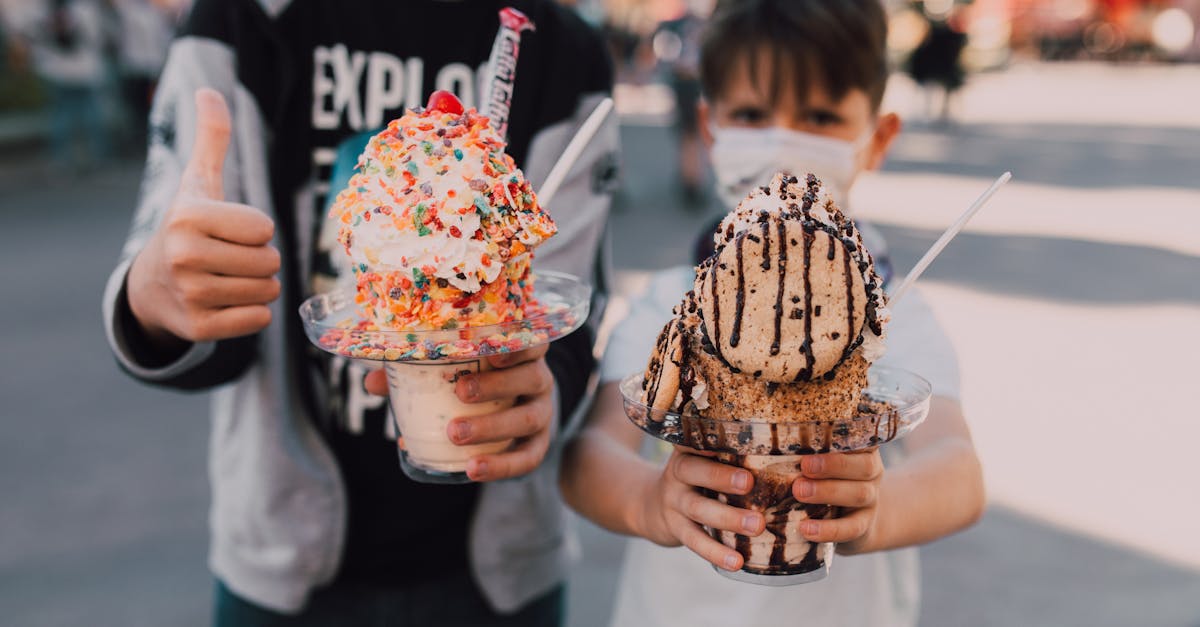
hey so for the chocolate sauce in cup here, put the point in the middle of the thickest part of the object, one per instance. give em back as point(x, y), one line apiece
point(780, 552)
point(894, 403)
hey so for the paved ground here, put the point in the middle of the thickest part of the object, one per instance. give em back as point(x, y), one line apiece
point(1073, 301)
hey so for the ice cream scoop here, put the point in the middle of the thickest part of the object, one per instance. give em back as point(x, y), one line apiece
point(439, 223)
point(784, 319)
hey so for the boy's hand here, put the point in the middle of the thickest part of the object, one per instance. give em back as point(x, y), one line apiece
point(208, 271)
point(522, 375)
point(674, 510)
point(850, 481)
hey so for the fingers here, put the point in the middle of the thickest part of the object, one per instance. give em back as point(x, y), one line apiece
point(519, 421)
point(713, 513)
point(376, 383)
point(226, 323)
point(836, 492)
point(847, 528)
point(233, 222)
point(202, 177)
point(706, 473)
point(215, 292)
point(530, 378)
point(205, 254)
point(519, 460)
point(506, 360)
point(858, 466)
point(698, 540)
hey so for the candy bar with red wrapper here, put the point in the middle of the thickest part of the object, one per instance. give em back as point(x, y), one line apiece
point(502, 67)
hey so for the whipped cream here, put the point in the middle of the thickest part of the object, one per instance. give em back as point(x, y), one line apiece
point(435, 192)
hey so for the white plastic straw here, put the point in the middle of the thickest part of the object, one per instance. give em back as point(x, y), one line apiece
point(942, 241)
point(572, 152)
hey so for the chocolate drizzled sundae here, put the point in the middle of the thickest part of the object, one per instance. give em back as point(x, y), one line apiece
point(779, 330)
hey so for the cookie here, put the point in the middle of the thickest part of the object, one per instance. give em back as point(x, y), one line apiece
point(783, 301)
point(662, 379)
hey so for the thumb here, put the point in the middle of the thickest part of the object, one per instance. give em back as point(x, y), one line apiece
point(202, 177)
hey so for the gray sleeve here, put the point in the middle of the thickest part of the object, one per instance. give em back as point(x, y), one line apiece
point(633, 337)
point(580, 207)
point(917, 342)
point(580, 210)
point(192, 62)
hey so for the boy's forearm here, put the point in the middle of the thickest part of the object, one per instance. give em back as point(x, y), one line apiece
point(934, 493)
point(606, 482)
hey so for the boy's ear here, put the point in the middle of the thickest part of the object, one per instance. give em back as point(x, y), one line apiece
point(886, 130)
point(702, 113)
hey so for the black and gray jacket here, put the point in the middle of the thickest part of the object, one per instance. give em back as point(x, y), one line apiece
point(278, 514)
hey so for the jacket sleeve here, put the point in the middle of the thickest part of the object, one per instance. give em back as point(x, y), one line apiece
point(580, 208)
point(194, 61)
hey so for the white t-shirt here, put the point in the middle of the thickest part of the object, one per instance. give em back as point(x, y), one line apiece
point(662, 587)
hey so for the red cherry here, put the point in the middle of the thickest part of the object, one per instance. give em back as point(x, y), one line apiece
point(442, 100)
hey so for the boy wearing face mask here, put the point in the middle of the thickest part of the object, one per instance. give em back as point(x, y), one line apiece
point(791, 85)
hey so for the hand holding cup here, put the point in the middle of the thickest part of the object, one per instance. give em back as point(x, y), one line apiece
point(849, 481)
point(675, 511)
point(522, 376)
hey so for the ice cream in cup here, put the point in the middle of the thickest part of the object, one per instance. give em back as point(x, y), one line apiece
point(780, 552)
point(423, 404)
point(439, 226)
point(770, 357)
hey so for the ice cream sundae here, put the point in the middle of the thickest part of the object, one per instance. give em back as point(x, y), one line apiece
point(772, 348)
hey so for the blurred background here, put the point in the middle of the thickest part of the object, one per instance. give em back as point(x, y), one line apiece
point(1073, 300)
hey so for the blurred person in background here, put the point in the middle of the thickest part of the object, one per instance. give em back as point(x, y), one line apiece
point(68, 46)
point(676, 45)
point(793, 86)
point(936, 63)
point(145, 35)
point(7, 49)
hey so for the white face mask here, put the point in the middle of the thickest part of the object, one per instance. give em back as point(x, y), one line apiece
point(745, 158)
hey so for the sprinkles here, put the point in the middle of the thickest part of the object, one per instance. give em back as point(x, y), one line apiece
point(360, 339)
point(453, 248)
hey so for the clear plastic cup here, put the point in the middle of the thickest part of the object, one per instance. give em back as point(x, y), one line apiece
point(779, 556)
point(894, 403)
point(423, 404)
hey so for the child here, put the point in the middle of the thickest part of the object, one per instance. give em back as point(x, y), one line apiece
point(313, 523)
point(791, 85)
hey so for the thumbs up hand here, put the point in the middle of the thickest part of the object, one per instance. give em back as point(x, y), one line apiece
point(208, 272)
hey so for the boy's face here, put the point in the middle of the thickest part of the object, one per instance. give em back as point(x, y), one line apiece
point(747, 103)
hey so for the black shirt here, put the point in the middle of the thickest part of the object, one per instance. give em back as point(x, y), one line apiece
point(357, 65)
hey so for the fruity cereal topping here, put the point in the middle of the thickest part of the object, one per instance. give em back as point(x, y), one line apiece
point(440, 224)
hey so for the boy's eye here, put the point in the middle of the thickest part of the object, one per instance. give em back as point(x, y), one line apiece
point(823, 117)
point(748, 116)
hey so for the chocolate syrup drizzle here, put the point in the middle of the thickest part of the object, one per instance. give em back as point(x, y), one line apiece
point(654, 381)
point(716, 303)
point(735, 336)
point(809, 358)
point(687, 376)
point(849, 303)
point(782, 275)
point(766, 238)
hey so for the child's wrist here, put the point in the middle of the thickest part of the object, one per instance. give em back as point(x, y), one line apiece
point(642, 511)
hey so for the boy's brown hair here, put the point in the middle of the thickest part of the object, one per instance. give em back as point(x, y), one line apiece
point(840, 44)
